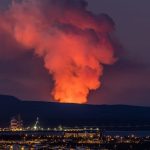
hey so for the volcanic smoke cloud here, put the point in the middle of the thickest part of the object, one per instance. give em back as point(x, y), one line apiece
point(73, 42)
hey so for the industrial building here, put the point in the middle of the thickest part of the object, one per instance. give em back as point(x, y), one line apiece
point(16, 123)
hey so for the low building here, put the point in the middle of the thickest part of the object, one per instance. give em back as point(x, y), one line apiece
point(82, 133)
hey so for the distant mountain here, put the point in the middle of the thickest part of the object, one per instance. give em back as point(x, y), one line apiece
point(54, 114)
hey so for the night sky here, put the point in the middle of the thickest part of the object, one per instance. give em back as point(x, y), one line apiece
point(125, 82)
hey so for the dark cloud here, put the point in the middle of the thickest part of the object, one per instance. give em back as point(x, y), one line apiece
point(4, 4)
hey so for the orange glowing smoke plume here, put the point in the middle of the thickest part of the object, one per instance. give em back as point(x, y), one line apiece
point(73, 42)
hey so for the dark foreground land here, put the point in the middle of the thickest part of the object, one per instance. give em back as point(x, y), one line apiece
point(105, 117)
point(109, 117)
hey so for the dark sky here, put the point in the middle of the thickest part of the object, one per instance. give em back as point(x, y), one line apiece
point(126, 82)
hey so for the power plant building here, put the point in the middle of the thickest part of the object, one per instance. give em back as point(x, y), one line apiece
point(16, 123)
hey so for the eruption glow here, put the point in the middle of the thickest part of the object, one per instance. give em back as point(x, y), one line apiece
point(73, 42)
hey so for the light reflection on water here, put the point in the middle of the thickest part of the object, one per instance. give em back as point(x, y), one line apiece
point(127, 133)
point(35, 147)
point(18, 147)
point(39, 147)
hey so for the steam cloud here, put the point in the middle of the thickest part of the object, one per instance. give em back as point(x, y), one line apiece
point(73, 42)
